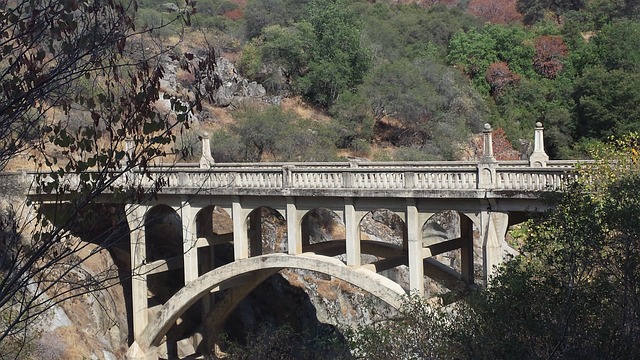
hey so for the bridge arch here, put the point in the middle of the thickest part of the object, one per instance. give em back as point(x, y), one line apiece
point(377, 285)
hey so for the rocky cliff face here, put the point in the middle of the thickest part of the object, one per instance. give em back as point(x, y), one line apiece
point(92, 324)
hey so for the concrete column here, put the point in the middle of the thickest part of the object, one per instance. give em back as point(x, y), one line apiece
point(206, 160)
point(240, 241)
point(414, 242)
point(493, 231)
point(139, 301)
point(189, 239)
point(487, 176)
point(352, 229)
point(539, 157)
point(293, 228)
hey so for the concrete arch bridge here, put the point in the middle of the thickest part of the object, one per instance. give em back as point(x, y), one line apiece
point(175, 237)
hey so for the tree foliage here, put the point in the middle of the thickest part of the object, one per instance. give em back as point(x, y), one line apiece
point(534, 10)
point(550, 50)
point(319, 57)
point(496, 12)
point(270, 133)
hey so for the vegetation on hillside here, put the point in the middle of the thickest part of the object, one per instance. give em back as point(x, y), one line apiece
point(417, 79)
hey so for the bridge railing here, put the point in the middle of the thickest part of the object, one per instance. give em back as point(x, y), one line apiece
point(538, 173)
point(517, 176)
point(513, 176)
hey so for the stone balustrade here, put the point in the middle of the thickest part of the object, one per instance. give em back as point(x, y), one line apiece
point(365, 176)
point(357, 178)
point(283, 178)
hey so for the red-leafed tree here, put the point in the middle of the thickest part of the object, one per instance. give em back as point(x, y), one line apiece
point(550, 50)
point(495, 11)
point(499, 76)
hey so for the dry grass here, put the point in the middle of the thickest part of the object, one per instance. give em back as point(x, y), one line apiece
point(303, 110)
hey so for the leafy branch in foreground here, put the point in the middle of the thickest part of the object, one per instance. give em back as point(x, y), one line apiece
point(79, 58)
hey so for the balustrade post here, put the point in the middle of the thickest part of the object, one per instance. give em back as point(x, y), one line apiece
point(539, 157)
point(129, 146)
point(487, 164)
point(348, 180)
point(287, 177)
point(183, 179)
point(206, 161)
point(409, 180)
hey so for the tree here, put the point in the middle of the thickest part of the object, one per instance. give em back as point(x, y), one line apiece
point(436, 107)
point(605, 103)
point(260, 14)
point(550, 51)
point(496, 12)
point(271, 133)
point(499, 77)
point(534, 10)
point(354, 121)
point(616, 46)
point(318, 57)
point(60, 59)
point(472, 52)
point(339, 60)
point(279, 56)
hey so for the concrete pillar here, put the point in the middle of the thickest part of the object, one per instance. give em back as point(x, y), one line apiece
point(189, 239)
point(139, 301)
point(487, 164)
point(352, 229)
point(414, 242)
point(493, 231)
point(240, 241)
point(539, 157)
point(293, 228)
point(206, 160)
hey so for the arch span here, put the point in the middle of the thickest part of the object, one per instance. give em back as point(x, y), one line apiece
point(377, 285)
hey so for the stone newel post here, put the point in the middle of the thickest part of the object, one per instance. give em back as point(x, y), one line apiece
point(487, 164)
point(539, 157)
point(206, 160)
point(129, 147)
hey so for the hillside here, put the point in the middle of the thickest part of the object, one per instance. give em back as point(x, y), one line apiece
point(413, 80)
